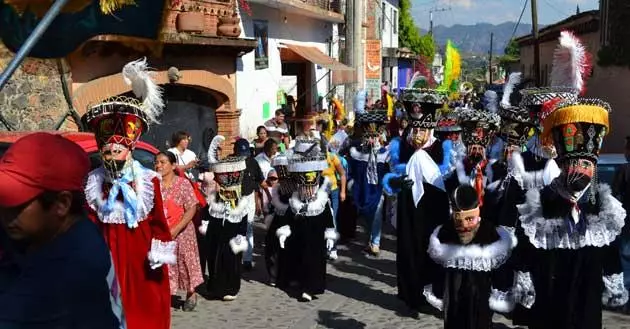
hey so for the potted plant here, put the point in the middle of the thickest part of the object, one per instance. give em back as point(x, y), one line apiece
point(191, 20)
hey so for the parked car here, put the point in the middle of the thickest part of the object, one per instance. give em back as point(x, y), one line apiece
point(606, 166)
point(144, 152)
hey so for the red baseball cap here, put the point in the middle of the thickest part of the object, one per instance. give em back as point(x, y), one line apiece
point(41, 162)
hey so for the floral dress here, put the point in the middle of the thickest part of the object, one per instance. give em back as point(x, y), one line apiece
point(186, 274)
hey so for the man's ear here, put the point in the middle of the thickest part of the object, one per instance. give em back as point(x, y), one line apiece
point(63, 203)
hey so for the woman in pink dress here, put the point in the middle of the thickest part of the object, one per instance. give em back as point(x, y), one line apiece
point(180, 206)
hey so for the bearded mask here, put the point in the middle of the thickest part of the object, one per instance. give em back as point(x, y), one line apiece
point(305, 165)
point(466, 224)
point(578, 174)
point(115, 158)
point(418, 137)
point(307, 184)
point(229, 186)
point(476, 153)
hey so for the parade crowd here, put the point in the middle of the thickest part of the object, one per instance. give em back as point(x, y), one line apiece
point(495, 203)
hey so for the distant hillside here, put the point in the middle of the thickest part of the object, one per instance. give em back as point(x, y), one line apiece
point(475, 39)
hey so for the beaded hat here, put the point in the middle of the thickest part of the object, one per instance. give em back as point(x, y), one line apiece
point(428, 101)
point(448, 121)
point(121, 120)
point(516, 123)
point(577, 129)
point(478, 127)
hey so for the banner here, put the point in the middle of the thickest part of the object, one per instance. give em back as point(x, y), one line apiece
point(261, 53)
point(373, 59)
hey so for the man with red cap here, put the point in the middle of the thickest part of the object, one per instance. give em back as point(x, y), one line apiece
point(45, 232)
point(126, 202)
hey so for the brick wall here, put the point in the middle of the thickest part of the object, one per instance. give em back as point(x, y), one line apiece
point(33, 98)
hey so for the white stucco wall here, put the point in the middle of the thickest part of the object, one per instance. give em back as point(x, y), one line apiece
point(255, 87)
point(389, 33)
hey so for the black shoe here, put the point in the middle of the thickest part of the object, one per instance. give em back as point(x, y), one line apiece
point(248, 266)
point(190, 304)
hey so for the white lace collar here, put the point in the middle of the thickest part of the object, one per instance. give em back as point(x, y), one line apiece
point(222, 210)
point(603, 228)
point(381, 157)
point(472, 257)
point(314, 207)
point(143, 186)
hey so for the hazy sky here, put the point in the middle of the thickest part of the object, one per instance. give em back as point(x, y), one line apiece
point(469, 12)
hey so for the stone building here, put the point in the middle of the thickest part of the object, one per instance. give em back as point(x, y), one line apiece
point(192, 45)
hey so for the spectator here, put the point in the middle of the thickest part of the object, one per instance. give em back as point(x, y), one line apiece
point(264, 158)
point(180, 206)
point(252, 181)
point(341, 134)
point(186, 159)
point(261, 138)
point(277, 128)
point(621, 190)
point(55, 270)
point(337, 188)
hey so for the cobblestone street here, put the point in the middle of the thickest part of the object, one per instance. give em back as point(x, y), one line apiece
point(361, 294)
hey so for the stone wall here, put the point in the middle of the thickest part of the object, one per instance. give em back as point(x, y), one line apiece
point(33, 98)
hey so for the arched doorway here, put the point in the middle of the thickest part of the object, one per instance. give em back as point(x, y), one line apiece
point(190, 109)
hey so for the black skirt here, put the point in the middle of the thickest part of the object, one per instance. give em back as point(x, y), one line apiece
point(224, 267)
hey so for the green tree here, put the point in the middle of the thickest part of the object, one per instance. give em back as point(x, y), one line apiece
point(409, 36)
point(512, 49)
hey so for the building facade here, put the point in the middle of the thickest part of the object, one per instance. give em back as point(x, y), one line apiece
point(389, 41)
point(296, 54)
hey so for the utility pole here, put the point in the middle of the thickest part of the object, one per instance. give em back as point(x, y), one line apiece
point(348, 94)
point(536, 43)
point(435, 10)
point(490, 61)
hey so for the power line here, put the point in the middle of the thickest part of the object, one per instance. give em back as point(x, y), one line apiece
point(556, 8)
point(519, 20)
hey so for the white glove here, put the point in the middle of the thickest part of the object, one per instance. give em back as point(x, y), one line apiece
point(283, 233)
point(329, 244)
point(203, 228)
point(154, 265)
point(238, 244)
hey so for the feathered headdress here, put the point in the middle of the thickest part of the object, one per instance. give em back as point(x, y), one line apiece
point(452, 68)
point(122, 119)
point(491, 101)
point(513, 80)
point(571, 63)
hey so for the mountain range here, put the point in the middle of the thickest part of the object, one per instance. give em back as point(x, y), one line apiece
point(475, 39)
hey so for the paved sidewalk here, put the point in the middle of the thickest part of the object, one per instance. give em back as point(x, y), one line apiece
point(361, 294)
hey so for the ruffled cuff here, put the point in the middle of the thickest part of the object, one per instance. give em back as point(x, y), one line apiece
point(331, 234)
point(615, 294)
point(238, 244)
point(524, 291)
point(431, 298)
point(203, 228)
point(283, 231)
point(501, 301)
point(161, 253)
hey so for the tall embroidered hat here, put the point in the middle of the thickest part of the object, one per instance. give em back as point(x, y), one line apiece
point(577, 129)
point(422, 104)
point(448, 121)
point(121, 120)
point(516, 123)
point(306, 163)
point(228, 172)
point(480, 127)
point(570, 70)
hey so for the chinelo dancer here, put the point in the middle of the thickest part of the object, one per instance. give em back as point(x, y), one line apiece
point(125, 201)
point(226, 228)
point(422, 203)
point(312, 231)
point(368, 165)
point(470, 249)
point(569, 262)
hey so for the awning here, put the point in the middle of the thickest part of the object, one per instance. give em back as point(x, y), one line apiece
point(340, 73)
point(316, 56)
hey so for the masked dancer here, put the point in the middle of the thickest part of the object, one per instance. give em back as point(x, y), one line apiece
point(422, 204)
point(312, 228)
point(226, 228)
point(569, 262)
point(368, 165)
point(125, 201)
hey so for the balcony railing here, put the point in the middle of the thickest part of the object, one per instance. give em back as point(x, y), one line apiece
point(328, 5)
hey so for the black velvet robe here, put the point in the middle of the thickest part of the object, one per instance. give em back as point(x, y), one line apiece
point(467, 292)
point(414, 227)
point(277, 270)
point(568, 281)
point(224, 267)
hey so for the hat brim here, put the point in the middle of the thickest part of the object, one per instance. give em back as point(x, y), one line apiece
point(14, 193)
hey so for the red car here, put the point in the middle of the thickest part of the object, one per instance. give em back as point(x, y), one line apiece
point(144, 152)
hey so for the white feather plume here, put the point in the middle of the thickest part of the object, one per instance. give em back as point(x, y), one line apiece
point(513, 80)
point(491, 101)
point(571, 63)
point(137, 75)
point(213, 150)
